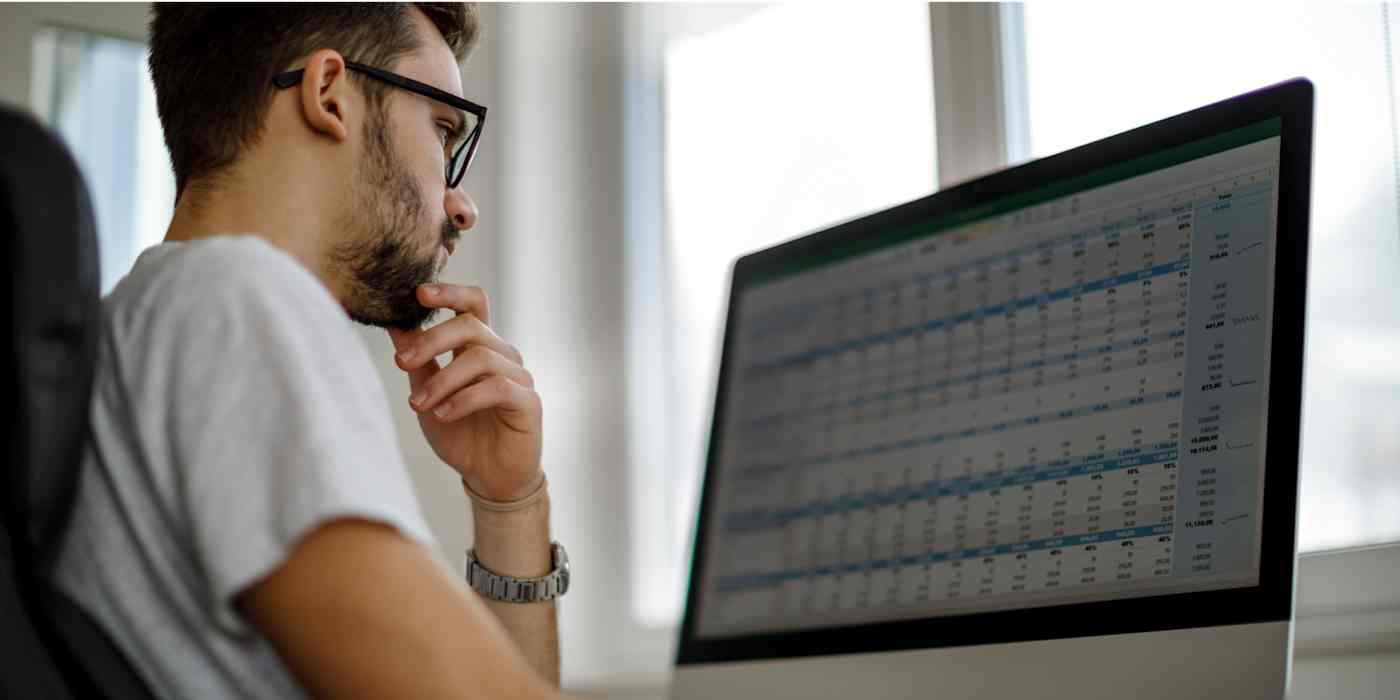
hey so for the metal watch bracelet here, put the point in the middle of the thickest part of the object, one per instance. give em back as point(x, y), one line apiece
point(520, 590)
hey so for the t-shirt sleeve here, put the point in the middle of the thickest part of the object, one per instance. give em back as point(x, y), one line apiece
point(280, 424)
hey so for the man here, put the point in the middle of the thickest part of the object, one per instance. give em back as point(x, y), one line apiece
point(246, 527)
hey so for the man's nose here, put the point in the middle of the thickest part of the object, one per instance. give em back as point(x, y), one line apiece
point(460, 208)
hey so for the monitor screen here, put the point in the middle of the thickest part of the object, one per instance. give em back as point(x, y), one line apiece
point(1055, 397)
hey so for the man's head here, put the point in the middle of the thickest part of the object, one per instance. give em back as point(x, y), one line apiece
point(364, 159)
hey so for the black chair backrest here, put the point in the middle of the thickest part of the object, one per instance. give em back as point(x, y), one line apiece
point(50, 315)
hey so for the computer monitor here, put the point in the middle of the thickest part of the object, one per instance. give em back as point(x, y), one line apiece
point(1035, 435)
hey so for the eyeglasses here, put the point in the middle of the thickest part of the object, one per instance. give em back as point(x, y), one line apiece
point(461, 143)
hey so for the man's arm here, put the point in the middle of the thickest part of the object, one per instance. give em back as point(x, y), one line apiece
point(359, 610)
point(517, 544)
point(482, 417)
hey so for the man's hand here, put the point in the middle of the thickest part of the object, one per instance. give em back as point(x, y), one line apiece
point(480, 412)
point(482, 416)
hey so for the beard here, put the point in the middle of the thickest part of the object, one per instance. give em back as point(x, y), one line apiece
point(382, 263)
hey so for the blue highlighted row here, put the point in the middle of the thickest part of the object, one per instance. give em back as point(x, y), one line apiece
point(1077, 240)
point(998, 427)
point(731, 584)
point(755, 520)
point(1038, 363)
point(994, 310)
point(1107, 231)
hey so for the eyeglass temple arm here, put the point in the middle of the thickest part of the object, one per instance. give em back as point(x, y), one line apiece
point(292, 77)
point(288, 79)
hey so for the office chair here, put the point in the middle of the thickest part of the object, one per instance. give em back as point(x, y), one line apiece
point(49, 647)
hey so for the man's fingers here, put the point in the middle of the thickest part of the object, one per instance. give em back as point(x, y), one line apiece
point(418, 378)
point(421, 371)
point(478, 364)
point(396, 336)
point(519, 405)
point(424, 345)
point(455, 335)
point(459, 298)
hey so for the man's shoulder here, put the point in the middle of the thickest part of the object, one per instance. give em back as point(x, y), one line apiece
point(222, 312)
point(219, 266)
point(219, 275)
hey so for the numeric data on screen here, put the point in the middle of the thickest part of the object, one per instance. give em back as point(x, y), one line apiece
point(1059, 403)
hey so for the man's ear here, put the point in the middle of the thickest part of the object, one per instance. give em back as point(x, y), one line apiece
point(326, 97)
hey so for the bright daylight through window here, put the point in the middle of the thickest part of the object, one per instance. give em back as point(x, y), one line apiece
point(118, 146)
point(1134, 71)
point(790, 119)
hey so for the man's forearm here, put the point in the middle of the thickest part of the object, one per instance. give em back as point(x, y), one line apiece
point(517, 544)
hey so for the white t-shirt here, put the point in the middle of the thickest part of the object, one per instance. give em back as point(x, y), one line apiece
point(234, 410)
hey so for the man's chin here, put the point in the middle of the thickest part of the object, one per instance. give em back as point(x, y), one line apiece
point(405, 315)
point(385, 276)
point(399, 323)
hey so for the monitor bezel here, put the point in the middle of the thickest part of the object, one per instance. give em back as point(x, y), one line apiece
point(1270, 600)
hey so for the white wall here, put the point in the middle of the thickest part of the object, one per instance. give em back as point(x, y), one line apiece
point(19, 22)
point(561, 206)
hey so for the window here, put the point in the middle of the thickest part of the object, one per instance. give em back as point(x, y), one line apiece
point(783, 120)
point(1094, 70)
point(96, 93)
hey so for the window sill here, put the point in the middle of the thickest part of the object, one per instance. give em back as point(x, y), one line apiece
point(1348, 602)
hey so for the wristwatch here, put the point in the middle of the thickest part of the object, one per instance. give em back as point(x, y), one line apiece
point(520, 590)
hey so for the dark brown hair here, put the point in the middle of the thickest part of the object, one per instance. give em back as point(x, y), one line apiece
point(212, 64)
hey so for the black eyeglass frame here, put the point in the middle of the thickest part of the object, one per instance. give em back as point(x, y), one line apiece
point(292, 77)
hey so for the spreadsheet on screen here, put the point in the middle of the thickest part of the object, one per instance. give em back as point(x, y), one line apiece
point(1059, 397)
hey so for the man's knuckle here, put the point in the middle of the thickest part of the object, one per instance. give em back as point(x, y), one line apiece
point(479, 296)
point(482, 354)
point(424, 346)
point(462, 330)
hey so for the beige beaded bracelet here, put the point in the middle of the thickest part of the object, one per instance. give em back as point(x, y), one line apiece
point(507, 506)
